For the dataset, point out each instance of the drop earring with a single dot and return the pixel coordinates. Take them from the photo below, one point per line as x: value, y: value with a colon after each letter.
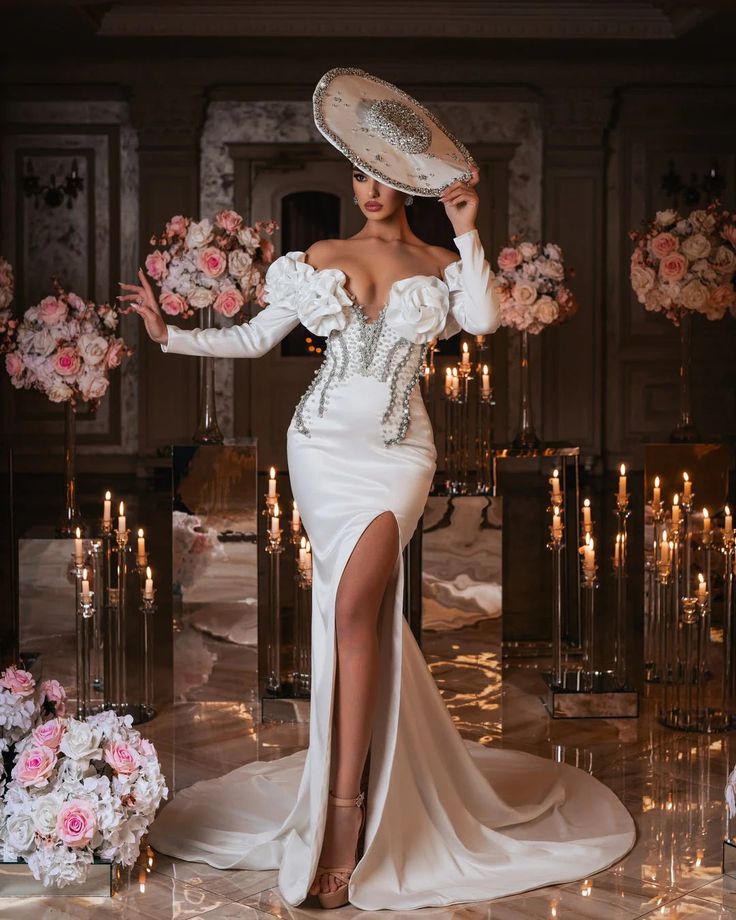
x: 355, y: 199
x: 409, y: 200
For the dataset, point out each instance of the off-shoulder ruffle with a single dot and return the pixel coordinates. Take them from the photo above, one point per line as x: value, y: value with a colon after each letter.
x: 318, y: 296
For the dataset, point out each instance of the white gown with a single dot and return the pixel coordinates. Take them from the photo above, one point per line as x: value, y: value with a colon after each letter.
x: 448, y: 820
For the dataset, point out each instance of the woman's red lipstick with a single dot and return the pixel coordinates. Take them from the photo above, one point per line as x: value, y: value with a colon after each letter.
x: 373, y: 205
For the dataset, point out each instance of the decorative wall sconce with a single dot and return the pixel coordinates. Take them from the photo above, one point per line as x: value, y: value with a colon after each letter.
x: 53, y: 195
x: 708, y: 186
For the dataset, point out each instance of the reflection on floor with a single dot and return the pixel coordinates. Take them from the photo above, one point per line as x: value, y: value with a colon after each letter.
x: 671, y: 782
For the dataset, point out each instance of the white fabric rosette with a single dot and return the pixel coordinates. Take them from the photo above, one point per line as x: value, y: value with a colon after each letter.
x: 319, y: 297
x: 417, y: 308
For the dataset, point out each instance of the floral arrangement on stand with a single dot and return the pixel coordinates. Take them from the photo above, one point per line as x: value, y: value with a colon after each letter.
x: 213, y: 266
x: 219, y: 264
x: 682, y: 266
x: 79, y: 790
x: 533, y: 295
x: 65, y: 346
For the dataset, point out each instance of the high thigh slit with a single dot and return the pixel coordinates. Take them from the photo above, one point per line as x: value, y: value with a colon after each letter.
x: 448, y: 820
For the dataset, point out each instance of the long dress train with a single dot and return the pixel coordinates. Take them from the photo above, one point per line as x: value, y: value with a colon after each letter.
x: 448, y: 819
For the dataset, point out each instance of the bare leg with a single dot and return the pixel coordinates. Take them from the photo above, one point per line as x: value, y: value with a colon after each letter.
x: 365, y: 580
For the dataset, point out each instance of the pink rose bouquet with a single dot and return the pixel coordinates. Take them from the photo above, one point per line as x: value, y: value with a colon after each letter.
x: 686, y: 263
x: 80, y: 789
x: 219, y: 264
x: 64, y: 347
x: 531, y: 281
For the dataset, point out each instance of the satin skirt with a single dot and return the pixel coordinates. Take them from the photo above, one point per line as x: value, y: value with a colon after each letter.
x: 448, y: 820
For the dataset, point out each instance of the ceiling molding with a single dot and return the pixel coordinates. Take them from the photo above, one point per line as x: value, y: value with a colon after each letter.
x: 532, y: 19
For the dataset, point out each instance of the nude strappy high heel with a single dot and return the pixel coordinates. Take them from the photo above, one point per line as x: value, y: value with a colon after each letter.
x: 340, y: 896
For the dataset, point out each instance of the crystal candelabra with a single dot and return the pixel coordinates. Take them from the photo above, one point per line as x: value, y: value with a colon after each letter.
x: 620, y: 569
x: 274, y: 548
x: 556, y: 546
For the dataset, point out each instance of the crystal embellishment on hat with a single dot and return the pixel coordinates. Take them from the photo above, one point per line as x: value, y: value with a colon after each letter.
x: 399, y: 125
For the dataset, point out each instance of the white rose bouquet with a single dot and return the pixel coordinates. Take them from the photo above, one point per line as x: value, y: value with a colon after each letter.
x: 686, y: 264
x: 531, y: 282
x: 65, y: 347
x: 218, y: 264
x: 80, y: 790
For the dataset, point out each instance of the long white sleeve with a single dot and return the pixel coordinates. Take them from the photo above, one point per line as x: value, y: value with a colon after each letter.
x: 246, y: 340
x: 474, y: 296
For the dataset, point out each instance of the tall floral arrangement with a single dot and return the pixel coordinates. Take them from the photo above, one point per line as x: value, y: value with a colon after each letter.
x: 219, y: 264
x: 686, y: 264
x: 65, y: 347
x: 78, y: 788
x: 531, y: 281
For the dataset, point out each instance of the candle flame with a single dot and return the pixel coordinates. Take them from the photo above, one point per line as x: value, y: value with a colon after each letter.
x: 295, y: 506
x: 121, y: 509
x: 448, y: 372
x: 148, y: 571
x: 108, y: 495
x: 276, y: 511
x: 303, y: 543
x: 705, y: 513
x: 664, y: 536
x: 586, y: 503
x: 656, y: 482
x: 685, y: 477
x: 556, y: 473
x: 485, y: 368
x: 84, y: 573
x: 79, y: 533
x: 272, y: 473
x: 140, y: 531
x: 309, y: 547
x: 728, y: 510
x: 454, y: 372
x: 588, y: 541
x: 675, y: 499
x: 465, y: 346
x: 701, y: 578
x: 556, y: 511
x: 623, y: 469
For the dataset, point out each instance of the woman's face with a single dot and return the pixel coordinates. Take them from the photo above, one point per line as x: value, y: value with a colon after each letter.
x: 375, y: 200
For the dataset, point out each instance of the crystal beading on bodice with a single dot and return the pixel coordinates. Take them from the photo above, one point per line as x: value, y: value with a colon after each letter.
x: 366, y: 348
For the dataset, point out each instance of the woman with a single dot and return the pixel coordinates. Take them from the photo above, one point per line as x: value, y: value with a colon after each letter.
x: 447, y: 820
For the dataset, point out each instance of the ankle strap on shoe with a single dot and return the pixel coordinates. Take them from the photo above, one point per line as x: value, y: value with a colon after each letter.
x: 357, y: 800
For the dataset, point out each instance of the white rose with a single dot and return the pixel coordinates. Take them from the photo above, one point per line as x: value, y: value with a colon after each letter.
x: 702, y: 220
x: 528, y: 250
x: 200, y: 297
x: 643, y: 279
x: 553, y: 251
x: 695, y: 247
x: 547, y: 310
x: 92, y: 383
x: 524, y: 293
x: 725, y: 260
x: 110, y: 320
x: 92, y: 348
x: 239, y: 262
x: 249, y: 238
x: 666, y: 218
x: 417, y: 308
x: 81, y: 741
x: 551, y: 269
x: 43, y: 342
x: 694, y: 296
x: 20, y: 833
x: 199, y: 234
x: 46, y: 811
x: 57, y: 391
x: 704, y: 270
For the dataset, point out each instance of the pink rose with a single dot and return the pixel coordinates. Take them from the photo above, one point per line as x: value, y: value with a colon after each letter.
x: 66, y: 361
x: 729, y: 233
x: 212, y: 261
x: 156, y: 264
x: 146, y: 748
x: 115, y: 354
x: 76, y: 824
x: 229, y: 302
x: 13, y: 363
x: 172, y: 303
x: 122, y: 757
x: 509, y: 258
x: 53, y: 691
x: 76, y: 302
x: 673, y: 267
x: 17, y: 681
x: 177, y: 226
x: 266, y: 250
x: 663, y: 244
x: 35, y: 766
x: 230, y: 221
x: 51, y: 311
x: 49, y: 734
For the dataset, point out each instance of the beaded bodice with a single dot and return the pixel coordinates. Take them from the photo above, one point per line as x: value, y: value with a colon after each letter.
x: 370, y: 348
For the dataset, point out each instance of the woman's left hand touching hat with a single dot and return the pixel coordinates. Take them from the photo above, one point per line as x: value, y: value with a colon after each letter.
x: 461, y: 202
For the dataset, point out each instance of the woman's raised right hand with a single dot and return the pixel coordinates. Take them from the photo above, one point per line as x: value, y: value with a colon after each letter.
x: 143, y: 302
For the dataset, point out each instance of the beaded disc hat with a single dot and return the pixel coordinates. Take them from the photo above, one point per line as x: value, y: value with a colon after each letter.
x: 387, y: 134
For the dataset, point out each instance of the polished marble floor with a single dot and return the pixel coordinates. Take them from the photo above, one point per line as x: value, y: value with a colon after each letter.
x: 671, y: 782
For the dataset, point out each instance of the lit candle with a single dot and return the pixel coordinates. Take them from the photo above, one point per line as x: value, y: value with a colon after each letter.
x: 107, y: 508
x: 728, y: 524
x: 121, y: 518
x: 617, y: 551
x: 141, y: 546
x: 622, y: 483
x: 675, y: 509
x: 586, y: 513
x: 85, y: 585
x: 466, y: 355
x: 556, y: 523
x: 275, y: 519
x: 656, y: 493
x: 664, y: 548
x: 78, y: 548
x: 309, y: 556
x: 687, y: 493
x: 485, y: 381
x: 589, y: 559
x: 455, y: 383
x: 303, y: 553
x: 701, y: 588
x: 448, y: 382
x: 148, y: 591
x: 295, y: 518
x: 555, y: 481
x: 272, y: 483
x: 706, y: 523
